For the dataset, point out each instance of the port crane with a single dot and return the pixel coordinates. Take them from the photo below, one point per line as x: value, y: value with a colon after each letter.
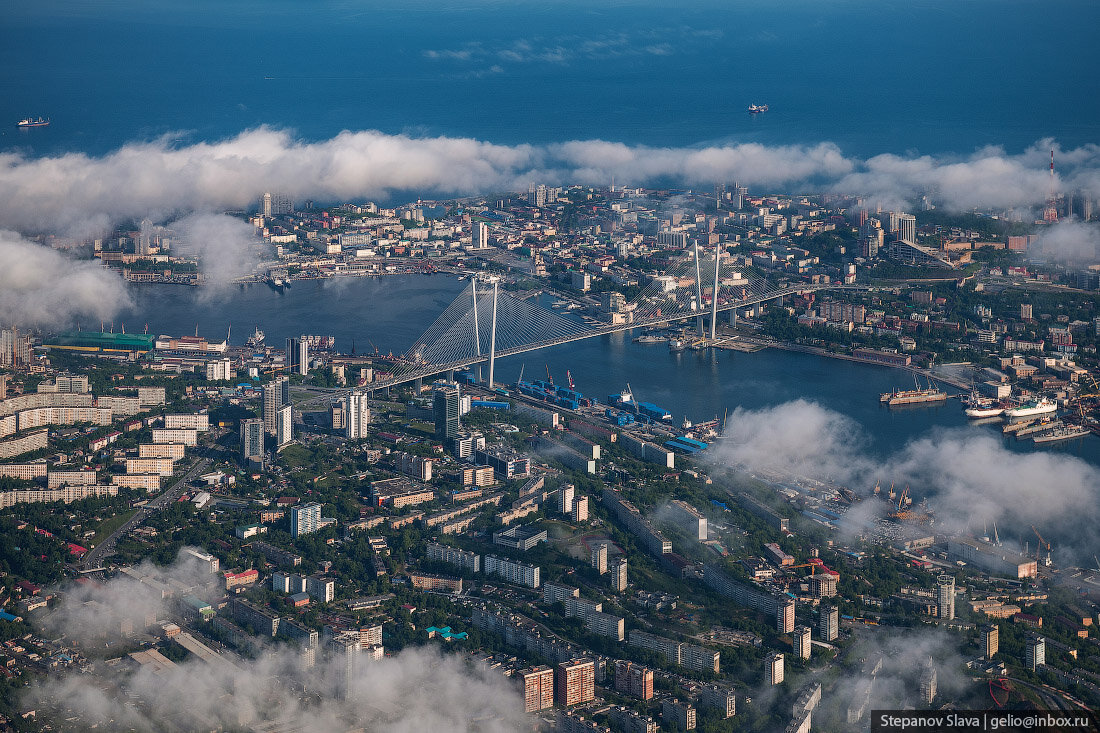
x: 549, y: 376
x: 569, y: 378
x: 1039, y: 548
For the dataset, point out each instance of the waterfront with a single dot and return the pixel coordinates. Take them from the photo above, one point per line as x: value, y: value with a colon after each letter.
x: 391, y: 312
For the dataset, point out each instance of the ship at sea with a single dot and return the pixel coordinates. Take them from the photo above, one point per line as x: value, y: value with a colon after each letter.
x: 755, y: 109
x: 33, y: 122
x: 913, y: 396
x: 1032, y: 409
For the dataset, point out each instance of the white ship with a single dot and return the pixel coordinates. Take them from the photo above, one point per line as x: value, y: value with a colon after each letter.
x: 1034, y: 408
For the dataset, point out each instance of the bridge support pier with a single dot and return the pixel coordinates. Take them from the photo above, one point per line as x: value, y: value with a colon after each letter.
x: 733, y: 316
x: 493, y: 337
x: 418, y: 385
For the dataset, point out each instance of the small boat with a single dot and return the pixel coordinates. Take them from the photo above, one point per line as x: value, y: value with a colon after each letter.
x: 677, y: 345
x: 755, y: 109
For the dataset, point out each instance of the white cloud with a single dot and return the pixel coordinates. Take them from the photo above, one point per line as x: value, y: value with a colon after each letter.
x: 40, y: 286
x: 968, y: 476
x: 418, y: 689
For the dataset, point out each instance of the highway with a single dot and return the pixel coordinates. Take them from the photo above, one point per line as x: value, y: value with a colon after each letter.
x: 427, y: 370
x: 107, y: 546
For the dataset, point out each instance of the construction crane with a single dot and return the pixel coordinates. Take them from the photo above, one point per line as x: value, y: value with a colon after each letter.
x: 1039, y: 548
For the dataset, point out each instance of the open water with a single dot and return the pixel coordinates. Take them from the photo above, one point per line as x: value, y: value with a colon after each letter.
x: 928, y: 76
x: 391, y: 312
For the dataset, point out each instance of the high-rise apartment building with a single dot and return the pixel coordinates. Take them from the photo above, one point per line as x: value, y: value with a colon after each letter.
x: 575, y: 682
x: 446, y: 409
x: 565, y: 498
x: 276, y: 394
x: 252, y: 440
x: 305, y: 519
x: 633, y: 679
x: 1036, y: 652
x: 829, y: 625
x: 356, y: 415
x: 802, y: 645
x: 580, y: 509
x: 297, y: 355
x: 599, y: 558
x: 928, y: 683
x: 990, y: 640
x: 773, y: 669
x: 618, y: 575
x: 284, y: 425
x: 538, y: 688
x: 945, y: 596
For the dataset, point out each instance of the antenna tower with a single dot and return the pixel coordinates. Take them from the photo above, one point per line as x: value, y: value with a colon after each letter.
x: 1050, y: 213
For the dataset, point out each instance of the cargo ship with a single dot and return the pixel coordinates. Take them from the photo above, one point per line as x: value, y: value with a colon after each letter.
x: 625, y: 401
x: 33, y: 122
x: 1034, y: 408
x: 912, y: 396
x: 1066, y: 432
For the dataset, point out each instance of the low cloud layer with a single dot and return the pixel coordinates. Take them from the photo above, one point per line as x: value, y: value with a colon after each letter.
x: 80, y: 195
x: 44, y: 287
x: 969, y: 477
x: 416, y: 690
x: 1070, y: 241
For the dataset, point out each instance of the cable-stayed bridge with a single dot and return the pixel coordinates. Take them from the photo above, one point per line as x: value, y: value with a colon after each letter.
x: 485, y: 323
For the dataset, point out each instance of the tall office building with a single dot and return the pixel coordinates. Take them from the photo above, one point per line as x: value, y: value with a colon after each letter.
x: 15, y: 349
x: 575, y: 682
x: 305, y: 519
x: 801, y: 643
x: 907, y: 227
x: 1036, y: 652
x: 945, y: 596
x: 479, y: 235
x: 356, y: 415
x: 252, y: 440
x: 990, y: 640
x: 297, y: 355
x: 618, y: 575
x: 446, y: 408
x: 829, y: 625
x: 276, y: 394
x: 773, y: 669
x: 284, y: 425
x: 274, y: 204
x: 599, y: 558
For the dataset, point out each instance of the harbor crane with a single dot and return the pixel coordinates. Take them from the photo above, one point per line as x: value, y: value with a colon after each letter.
x: 1039, y: 548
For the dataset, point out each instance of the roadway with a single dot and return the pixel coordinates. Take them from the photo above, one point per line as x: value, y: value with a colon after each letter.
x: 428, y: 370
x: 107, y: 546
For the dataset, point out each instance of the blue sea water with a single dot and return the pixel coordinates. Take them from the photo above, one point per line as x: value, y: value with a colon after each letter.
x: 932, y: 76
